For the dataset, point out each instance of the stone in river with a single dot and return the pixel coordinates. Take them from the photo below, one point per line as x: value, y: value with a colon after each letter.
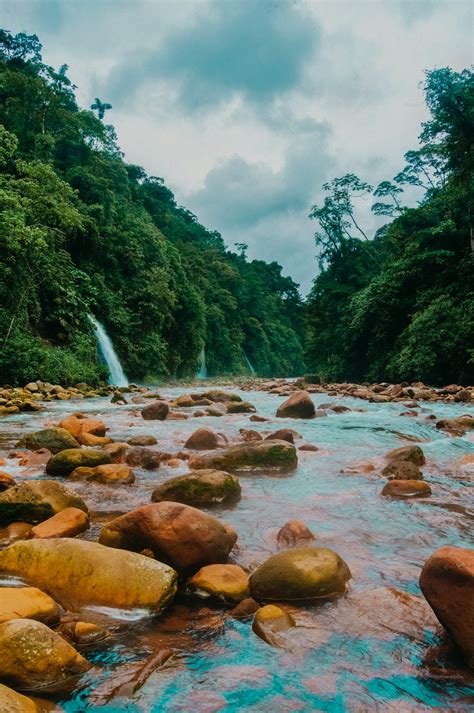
x: 27, y: 603
x: 402, y: 470
x: 156, y: 411
x: 293, y: 533
x: 13, y: 702
x: 270, y: 622
x: 220, y: 581
x: 53, y: 439
x: 79, y: 423
x: 65, y: 462
x: 203, y: 487
x: 205, y: 439
x: 6, y: 481
x: 67, y: 523
x: 37, y: 500
x: 406, y: 489
x: 298, y: 405
x: 258, y: 455
x: 413, y: 454
x: 109, y: 474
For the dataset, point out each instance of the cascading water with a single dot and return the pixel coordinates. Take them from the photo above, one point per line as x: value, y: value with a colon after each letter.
x: 202, y: 373
x: 117, y: 375
x: 252, y: 370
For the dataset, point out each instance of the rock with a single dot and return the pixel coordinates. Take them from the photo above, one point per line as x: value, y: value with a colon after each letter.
x: 29, y: 459
x: 143, y: 457
x: 283, y: 434
x: 118, y: 398
x: 37, y: 500
x: 205, y: 439
x: 406, y: 489
x: 412, y: 454
x: 308, y: 447
x: 184, y: 401
x: 32, y: 656
x: 6, y: 481
x: 244, y: 609
x: 240, y: 407
x: 402, y: 470
x: 217, y: 395
x: 270, y: 621
x: 156, y: 411
x: 30, y: 406
x: 117, y: 451
x: 258, y: 419
x: 447, y: 583
x: 83, y: 633
x: 204, y: 487
x: 91, y: 441
x: 142, y: 441
x: 13, y: 702
x: 456, y: 426
x: 87, y: 574
x: 463, y: 395
x: 13, y: 532
x: 293, y: 533
x: 216, y: 410
x: 299, y: 405
x: 65, y: 462
x: 220, y: 581
x: 79, y: 423
x: 109, y: 474
x: 180, y: 535
x: 275, y: 455
x: 53, y: 439
x: 67, y: 523
x: 27, y: 603
x: 248, y: 435
x: 301, y: 574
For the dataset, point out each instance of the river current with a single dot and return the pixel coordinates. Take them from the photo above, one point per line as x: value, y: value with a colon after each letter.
x: 366, y: 651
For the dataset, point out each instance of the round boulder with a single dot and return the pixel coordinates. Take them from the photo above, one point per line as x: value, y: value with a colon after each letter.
x: 65, y: 462
x: 270, y: 622
x: 298, y: 405
x: 157, y: 411
x: 27, y: 603
x: 204, y: 487
x: 205, y: 439
x: 301, y: 574
x: 220, y: 581
x: 53, y: 439
x: 406, y: 489
x: 402, y: 470
x: 412, y: 454
x: 37, y: 500
x: 294, y: 533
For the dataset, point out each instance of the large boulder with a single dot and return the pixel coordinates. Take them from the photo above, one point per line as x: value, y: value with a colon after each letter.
x: 182, y: 536
x: 27, y: 603
x: 66, y: 461
x: 6, y: 481
x: 13, y: 702
x: 204, y: 487
x: 32, y: 656
x: 255, y: 455
x: 109, y: 474
x: 78, y: 424
x: 53, y: 439
x: 220, y: 581
x: 301, y: 574
x: 205, y: 439
x: 298, y: 405
x: 157, y: 411
x: 219, y: 396
x: 67, y: 523
x: 447, y: 582
x: 79, y: 573
x: 37, y: 500
x: 412, y: 454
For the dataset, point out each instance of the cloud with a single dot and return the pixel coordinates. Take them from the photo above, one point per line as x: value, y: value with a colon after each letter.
x: 252, y: 48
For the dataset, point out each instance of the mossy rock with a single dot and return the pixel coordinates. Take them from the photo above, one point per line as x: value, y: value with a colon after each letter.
x: 253, y: 455
x: 240, y: 407
x: 66, y: 461
x: 411, y: 454
x: 205, y: 487
x: 301, y: 574
x: 54, y: 440
x: 37, y: 500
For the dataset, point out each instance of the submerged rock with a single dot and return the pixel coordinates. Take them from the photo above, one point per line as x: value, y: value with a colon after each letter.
x: 32, y: 656
x: 65, y: 462
x: 298, y: 405
x: 456, y: 426
x: 406, y: 489
x: 293, y: 533
x: 270, y: 622
x: 279, y: 455
x: 37, y: 500
x: 447, y: 582
x: 301, y: 574
x: 178, y: 534
x: 204, y: 487
x: 220, y: 581
x: 79, y: 573
x: 27, y: 603
x: 53, y: 439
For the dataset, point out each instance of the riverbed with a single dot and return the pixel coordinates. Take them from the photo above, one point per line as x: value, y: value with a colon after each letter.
x: 365, y: 651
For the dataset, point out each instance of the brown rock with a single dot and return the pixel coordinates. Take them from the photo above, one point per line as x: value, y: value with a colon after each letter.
x: 308, y: 447
x: 13, y: 532
x: 447, y: 582
x: 244, y: 609
x: 402, y: 470
x: 299, y: 405
x: 156, y: 411
x: 406, y: 489
x: 270, y: 622
x: 27, y: 603
x: 67, y: 523
x: 293, y: 533
x: 142, y: 441
x: 256, y: 455
x: 89, y: 439
x: 34, y: 458
x: 13, y: 702
x: 83, y: 633
x: 249, y: 435
x: 109, y: 474
x: 220, y: 581
x: 413, y: 454
x: 258, y: 419
x: 6, y: 481
x: 180, y: 535
x: 79, y: 423
x: 205, y: 439
x: 283, y: 434
x: 143, y: 457
x: 117, y: 451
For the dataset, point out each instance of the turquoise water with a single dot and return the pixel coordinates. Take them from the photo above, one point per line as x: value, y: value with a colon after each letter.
x: 365, y: 651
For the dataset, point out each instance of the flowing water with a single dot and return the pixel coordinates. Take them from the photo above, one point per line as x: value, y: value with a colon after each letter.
x: 202, y: 372
x: 364, y: 652
x: 117, y: 375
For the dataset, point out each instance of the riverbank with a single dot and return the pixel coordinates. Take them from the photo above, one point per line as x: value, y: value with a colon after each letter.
x: 377, y: 644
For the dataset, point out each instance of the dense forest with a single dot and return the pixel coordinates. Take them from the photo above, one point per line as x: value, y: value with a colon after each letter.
x: 400, y: 305
x: 83, y: 232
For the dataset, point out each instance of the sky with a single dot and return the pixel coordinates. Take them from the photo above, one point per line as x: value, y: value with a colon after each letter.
x: 246, y: 107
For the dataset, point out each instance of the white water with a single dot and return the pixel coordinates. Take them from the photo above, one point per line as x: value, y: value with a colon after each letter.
x: 252, y: 370
x: 202, y: 373
x: 117, y: 375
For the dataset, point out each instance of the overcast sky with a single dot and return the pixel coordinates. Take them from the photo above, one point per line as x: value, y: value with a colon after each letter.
x: 245, y: 107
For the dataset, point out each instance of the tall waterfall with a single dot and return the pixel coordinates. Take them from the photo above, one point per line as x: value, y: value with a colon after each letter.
x: 252, y: 370
x: 202, y: 373
x: 117, y: 375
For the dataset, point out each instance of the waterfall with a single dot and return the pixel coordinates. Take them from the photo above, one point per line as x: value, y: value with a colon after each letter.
x: 252, y: 370
x: 202, y: 373
x: 117, y: 375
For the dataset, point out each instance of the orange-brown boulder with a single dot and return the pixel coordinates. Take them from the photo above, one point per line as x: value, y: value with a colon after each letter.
x: 67, y: 523
x: 298, y: 405
x: 406, y: 489
x: 156, y: 411
x: 293, y: 533
x: 205, y: 439
x: 109, y: 474
x: 78, y: 423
